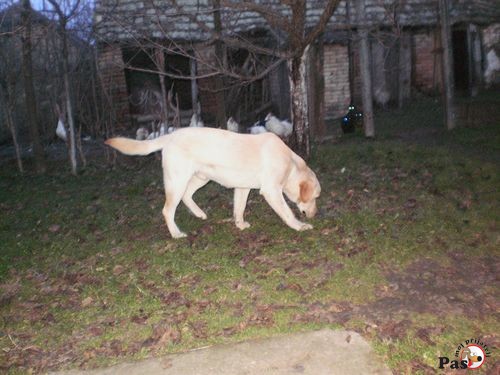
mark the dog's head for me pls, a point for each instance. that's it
(303, 188)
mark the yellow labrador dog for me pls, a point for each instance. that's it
(191, 157)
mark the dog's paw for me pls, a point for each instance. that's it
(202, 216)
(179, 235)
(242, 225)
(305, 226)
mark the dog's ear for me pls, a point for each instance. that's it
(306, 191)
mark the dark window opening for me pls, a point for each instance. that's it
(143, 83)
(180, 66)
(460, 59)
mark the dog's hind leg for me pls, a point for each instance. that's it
(194, 184)
(274, 196)
(240, 202)
(172, 200)
(175, 181)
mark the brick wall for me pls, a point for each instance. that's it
(426, 52)
(336, 72)
(110, 61)
(206, 86)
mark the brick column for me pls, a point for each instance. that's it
(336, 72)
(427, 61)
(110, 62)
(206, 86)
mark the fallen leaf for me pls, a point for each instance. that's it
(118, 270)
(199, 329)
(9, 291)
(87, 301)
(54, 228)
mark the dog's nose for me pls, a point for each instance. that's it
(312, 213)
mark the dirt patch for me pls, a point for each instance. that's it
(462, 287)
(427, 286)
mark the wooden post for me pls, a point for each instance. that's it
(219, 55)
(447, 66)
(350, 57)
(194, 84)
(366, 79)
(404, 68)
(474, 52)
(316, 90)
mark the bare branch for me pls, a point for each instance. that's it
(323, 21)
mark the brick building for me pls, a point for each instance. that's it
(405, 49)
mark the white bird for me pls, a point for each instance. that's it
(196, 121)
(492, 67)
(382, 96)
(164, 129)
(258, 128)
(141, 133)
(281, 128)
(61, 131)
(232, 125)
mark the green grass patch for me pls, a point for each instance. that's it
(403, 251)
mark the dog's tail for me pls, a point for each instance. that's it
(132, 147)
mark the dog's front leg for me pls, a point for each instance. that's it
(240, 202)
(274, 196)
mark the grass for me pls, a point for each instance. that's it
(403, 252)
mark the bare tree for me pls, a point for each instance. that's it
(299, 39)
(31, 107)
(64, 18)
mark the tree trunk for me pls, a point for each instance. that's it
(447, 66)
(298, 96)
(29, 89)
(67, 94)
(9, 102)
(13, 132)
(366, 79)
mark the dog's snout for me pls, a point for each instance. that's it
(311, 213)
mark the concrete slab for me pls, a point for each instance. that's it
(311, 353)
